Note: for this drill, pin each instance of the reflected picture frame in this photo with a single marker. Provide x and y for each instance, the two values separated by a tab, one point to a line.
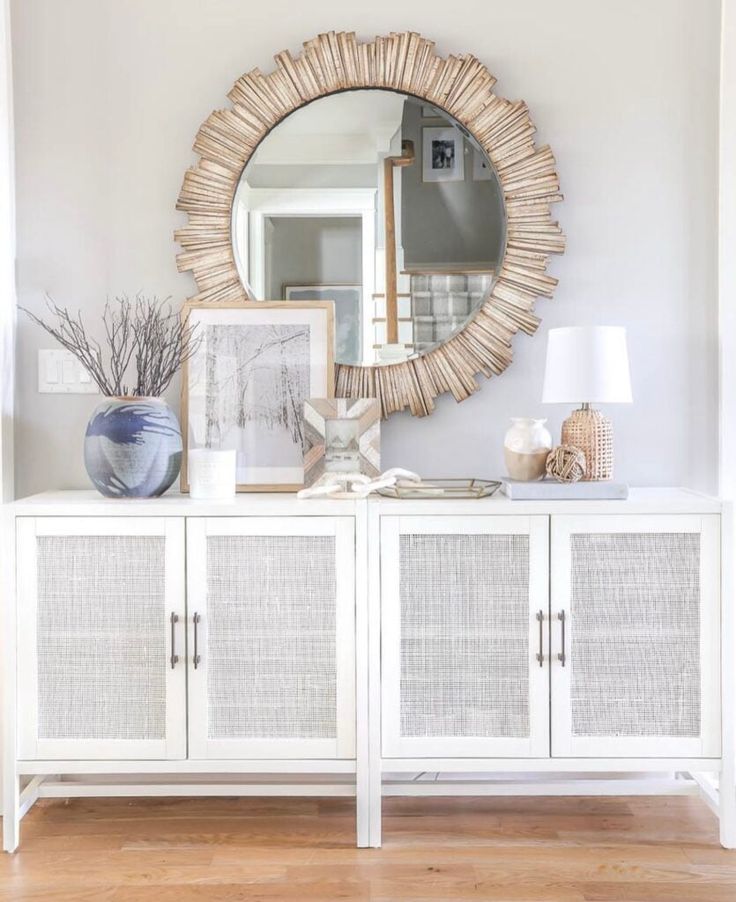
348	299
443	155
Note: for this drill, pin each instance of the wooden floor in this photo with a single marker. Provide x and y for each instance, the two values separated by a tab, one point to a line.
597	849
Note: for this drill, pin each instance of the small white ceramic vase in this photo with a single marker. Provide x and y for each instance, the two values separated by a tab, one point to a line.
526	446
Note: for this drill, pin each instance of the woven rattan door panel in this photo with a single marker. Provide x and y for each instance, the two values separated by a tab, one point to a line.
641	603
95	632
273	600
461	634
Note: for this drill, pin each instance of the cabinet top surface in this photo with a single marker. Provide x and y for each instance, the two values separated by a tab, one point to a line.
90	503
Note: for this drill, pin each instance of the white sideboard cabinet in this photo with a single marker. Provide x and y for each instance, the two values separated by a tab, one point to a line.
614	651
172	647
270	646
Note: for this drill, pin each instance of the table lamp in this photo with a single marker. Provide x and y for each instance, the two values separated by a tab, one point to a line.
588	365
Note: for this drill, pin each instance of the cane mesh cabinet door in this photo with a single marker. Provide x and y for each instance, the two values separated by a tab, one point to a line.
641	603
97	675
271	619
464	605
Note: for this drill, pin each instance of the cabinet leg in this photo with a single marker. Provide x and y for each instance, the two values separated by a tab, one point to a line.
362	807
368	800
727	808
375	800
362	822
11	814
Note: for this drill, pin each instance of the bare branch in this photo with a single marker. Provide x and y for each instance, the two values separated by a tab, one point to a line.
145	330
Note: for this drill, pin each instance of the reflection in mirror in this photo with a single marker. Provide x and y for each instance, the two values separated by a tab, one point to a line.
380	203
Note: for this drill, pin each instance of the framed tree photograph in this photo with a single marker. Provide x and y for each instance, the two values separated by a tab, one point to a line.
244	388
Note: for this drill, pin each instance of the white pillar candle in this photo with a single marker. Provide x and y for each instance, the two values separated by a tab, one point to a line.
211	474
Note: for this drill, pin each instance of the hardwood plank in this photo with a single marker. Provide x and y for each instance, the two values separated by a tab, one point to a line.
66	894
236	892
121	808
658	892
714	856
498	805
570	869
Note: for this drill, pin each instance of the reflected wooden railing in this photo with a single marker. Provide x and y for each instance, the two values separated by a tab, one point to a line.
389	164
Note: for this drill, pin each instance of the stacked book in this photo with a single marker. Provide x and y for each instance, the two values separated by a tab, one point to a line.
551	490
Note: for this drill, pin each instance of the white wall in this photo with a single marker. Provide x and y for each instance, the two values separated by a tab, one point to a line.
727	257
109	96
7	260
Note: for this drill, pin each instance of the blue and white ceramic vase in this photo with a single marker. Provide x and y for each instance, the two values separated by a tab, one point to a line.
132	448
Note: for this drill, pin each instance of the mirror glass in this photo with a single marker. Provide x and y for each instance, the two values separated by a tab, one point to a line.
381	203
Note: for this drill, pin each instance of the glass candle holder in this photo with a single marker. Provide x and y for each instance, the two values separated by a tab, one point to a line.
211	474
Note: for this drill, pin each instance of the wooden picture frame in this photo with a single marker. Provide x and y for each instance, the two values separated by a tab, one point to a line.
362	417
228	392
458	85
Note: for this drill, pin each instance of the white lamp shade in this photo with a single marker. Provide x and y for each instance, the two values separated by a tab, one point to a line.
587	364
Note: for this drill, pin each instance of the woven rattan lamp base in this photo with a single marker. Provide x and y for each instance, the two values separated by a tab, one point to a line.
590	431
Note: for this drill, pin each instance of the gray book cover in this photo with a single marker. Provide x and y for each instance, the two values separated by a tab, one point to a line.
550	490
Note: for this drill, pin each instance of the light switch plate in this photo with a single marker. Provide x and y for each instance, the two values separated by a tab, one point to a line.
60	372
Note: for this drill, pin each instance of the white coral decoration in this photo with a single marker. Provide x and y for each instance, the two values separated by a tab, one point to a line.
356	485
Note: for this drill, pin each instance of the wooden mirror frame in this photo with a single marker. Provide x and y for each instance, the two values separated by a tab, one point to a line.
460	86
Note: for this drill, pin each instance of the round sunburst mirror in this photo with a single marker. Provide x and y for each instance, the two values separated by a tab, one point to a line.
394	183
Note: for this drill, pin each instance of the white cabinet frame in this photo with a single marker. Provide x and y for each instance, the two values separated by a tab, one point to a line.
708	744
342	528
173	746
396	746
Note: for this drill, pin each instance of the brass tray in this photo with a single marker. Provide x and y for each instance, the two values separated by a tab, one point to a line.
442	488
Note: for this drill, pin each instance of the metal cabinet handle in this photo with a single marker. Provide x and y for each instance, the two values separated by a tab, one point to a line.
562	657
540	653
196	658
174	659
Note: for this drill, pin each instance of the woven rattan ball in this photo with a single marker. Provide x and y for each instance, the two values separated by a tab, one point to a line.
565	463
